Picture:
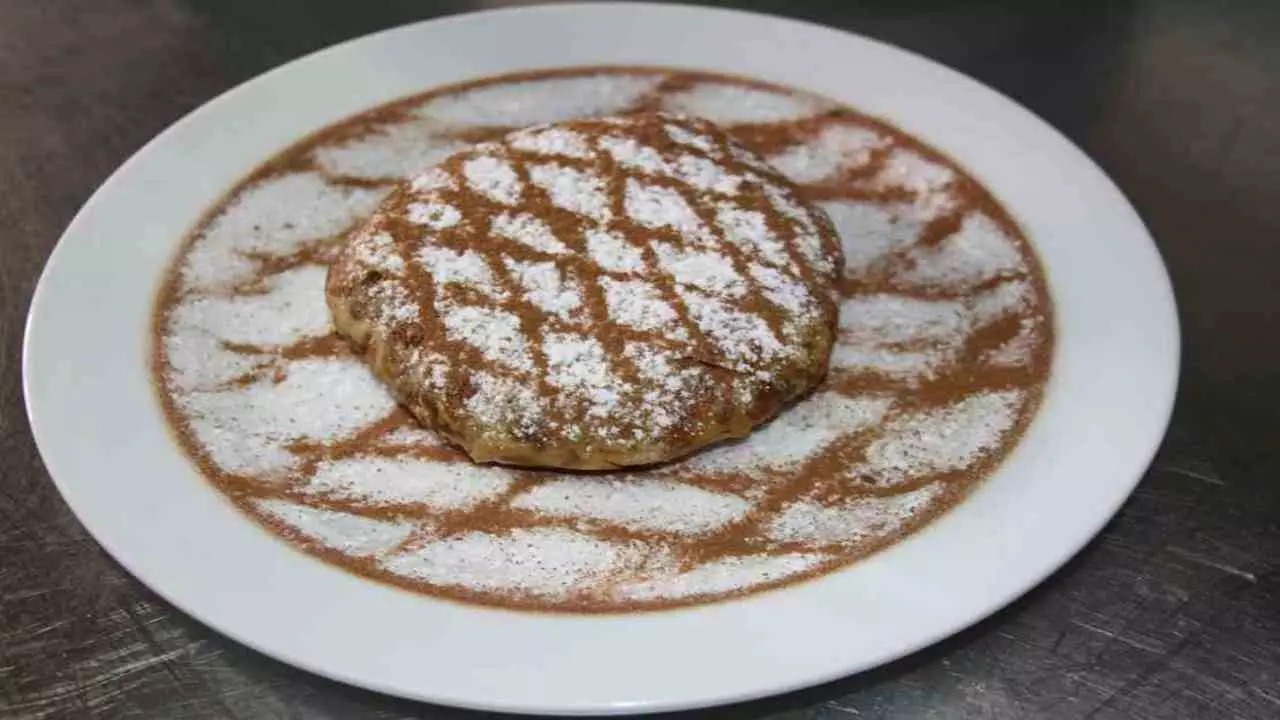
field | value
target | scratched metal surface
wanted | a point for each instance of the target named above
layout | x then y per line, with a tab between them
1173	612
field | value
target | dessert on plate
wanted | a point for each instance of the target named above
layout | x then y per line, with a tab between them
938	358
593	294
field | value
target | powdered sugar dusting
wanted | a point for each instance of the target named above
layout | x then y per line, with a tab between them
199	360
901	337
412	436
743	338
940	440
748	230
539	101
704	270
629	153
489	293
546	288
636	503
638	304
432	179
871	232
1018	350
795	435
553	141
274	217
247	430
732	104
660	207
319	450
377	251
546	562
860	520
671	383
783	290
899	320
979	251
573	190
435	215
493	178
909	367
1011	297
612	252
908	169
577	365
495	333
835	148
706	175
695	140
391	152
450	267
505	402
529	231
290	309
807	240
698	172
394	306
346	532
404	481
723	576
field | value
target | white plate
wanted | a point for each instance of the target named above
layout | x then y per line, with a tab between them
102	436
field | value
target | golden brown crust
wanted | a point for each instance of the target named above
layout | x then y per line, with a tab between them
594	294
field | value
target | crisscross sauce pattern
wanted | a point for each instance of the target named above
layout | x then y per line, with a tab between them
942	349
593	294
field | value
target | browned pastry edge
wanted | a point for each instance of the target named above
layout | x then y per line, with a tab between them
720	417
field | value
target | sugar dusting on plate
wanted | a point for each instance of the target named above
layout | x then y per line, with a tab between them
941	360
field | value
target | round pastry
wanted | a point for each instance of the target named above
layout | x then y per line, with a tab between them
593	294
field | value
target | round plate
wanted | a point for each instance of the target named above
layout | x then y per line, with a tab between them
99	427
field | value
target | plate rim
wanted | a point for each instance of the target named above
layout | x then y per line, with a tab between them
41	431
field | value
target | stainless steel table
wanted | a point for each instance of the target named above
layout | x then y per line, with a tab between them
1173	612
